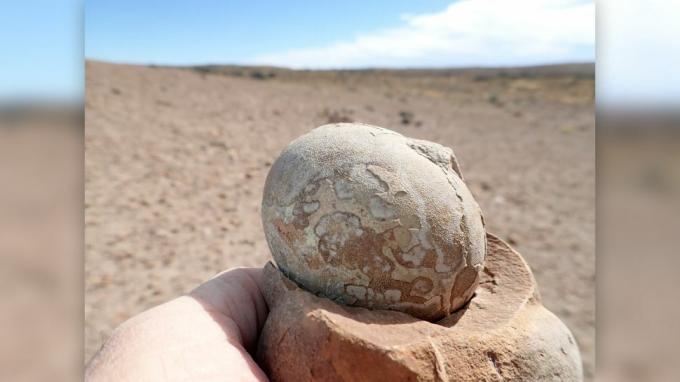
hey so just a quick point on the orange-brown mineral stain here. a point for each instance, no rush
(287, 231)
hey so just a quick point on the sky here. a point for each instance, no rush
(341, 34)
(638, 48)
(638, 54)
(42, 50)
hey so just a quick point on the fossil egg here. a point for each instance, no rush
(367, 217)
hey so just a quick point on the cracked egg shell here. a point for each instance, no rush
(367, 217)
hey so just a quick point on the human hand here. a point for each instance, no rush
(208, 335)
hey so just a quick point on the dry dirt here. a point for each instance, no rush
(176, 159)
(40, 242)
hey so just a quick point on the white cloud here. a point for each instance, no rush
(466, 33)
(638, 53)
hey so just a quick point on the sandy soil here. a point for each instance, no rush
(40, 242)
(176, 159)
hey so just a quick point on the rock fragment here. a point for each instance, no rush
(502, 334)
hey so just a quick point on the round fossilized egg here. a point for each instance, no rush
(367, 217)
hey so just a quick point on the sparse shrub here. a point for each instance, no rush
(495, 100)
(406, 117)
(260, 75)
(337, 116)
(201, 69)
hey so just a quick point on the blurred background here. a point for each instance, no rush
(186, 105)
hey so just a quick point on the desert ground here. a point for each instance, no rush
(176, 158)
(40, 241)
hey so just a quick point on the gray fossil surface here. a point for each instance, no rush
(368, 217)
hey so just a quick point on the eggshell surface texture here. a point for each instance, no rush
(367, 217)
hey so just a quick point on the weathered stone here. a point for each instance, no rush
(502, 334)
(367, 217)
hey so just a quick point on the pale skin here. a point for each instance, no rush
(207, 335)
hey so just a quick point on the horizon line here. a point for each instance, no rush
(434, 67)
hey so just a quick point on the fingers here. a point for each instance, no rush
(236, 295)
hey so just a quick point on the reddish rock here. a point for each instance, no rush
(502, 334)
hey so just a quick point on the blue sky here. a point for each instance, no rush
(638, 49)
(341, 34)
(42, 50)
(209, 31)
